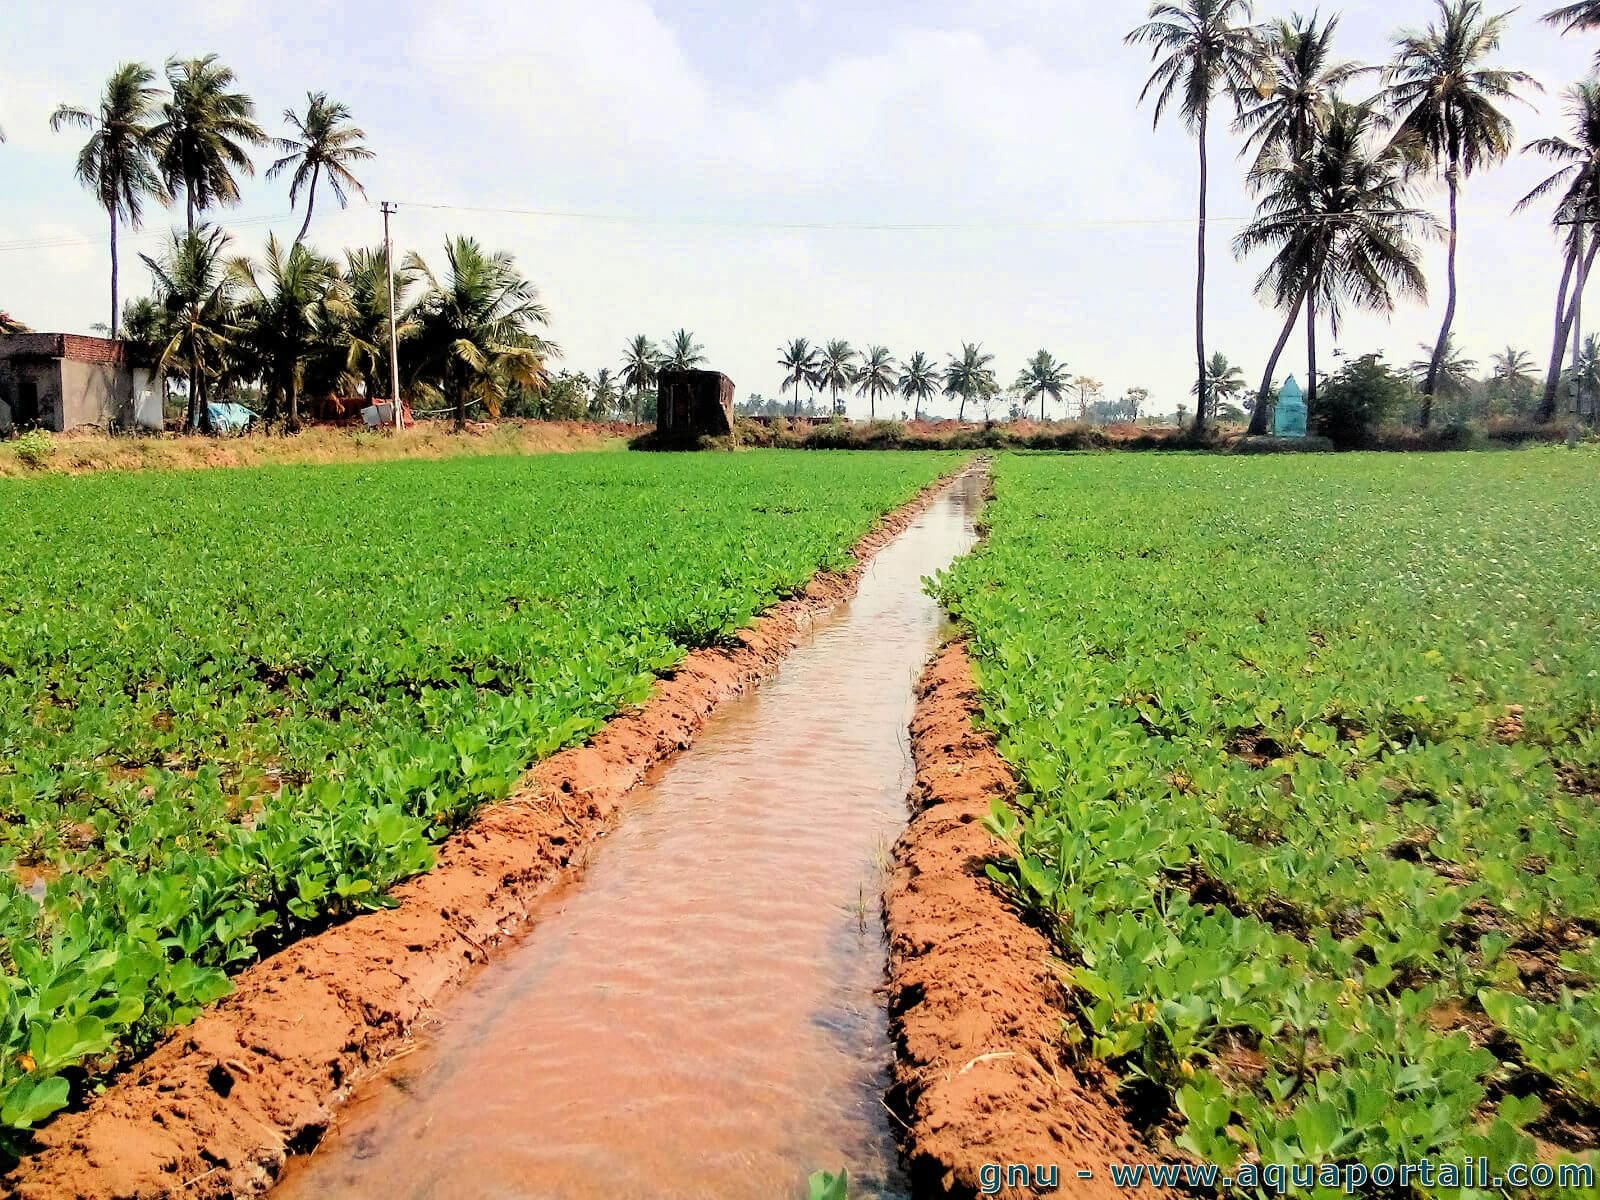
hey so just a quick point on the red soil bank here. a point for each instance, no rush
(975, 1004)
(215, 1109)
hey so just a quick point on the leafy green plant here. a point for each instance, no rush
(825, 1186)
(34, 448)
(1306, 752)
(269, 693)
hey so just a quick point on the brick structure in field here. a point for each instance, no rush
(62, 381)
(691, 403)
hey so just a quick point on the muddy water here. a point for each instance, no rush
(699, 1015)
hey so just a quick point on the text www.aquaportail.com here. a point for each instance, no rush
(1351, 1178)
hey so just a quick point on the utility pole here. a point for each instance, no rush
(394, 343)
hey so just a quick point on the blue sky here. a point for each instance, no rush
(698, 129)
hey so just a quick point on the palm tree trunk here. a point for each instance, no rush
(294, 405)
(1453, 183)
(1552, 379)
(1200, 290)
(1041, 408)
(1311, 351)
(961, 410)
(113, 272)
(311, 200)
(1258, 418)
(1547, 405)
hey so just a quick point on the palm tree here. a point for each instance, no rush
(477, 328)
(288, 305)
(117, 163)
(919, 380)
(1453, 372)
(325, 143)
(1580, 172)
(1513, 378)
(1340, 228)
(803, 366)
(1044, 376)
(969, 375)
(196, 291)
(1282, 118)
(1300, 79)
(837, 369)
(683, 353)
(1224, 381)
(604, 400)
(876, 378)
(1200, 47)
(1444, 96)
(640, 364)
(1584, 15)
(202, 138)
(354, 356)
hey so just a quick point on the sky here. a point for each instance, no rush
(701, 164)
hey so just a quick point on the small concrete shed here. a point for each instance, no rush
(694, 402)
(63, 381)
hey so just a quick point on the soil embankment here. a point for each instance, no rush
(219, 1106)
(976, 1006)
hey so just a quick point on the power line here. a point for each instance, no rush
(66, 241)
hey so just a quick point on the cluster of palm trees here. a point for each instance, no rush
(968, 377)
(1336, 177)
(192, 139)
(297, 323)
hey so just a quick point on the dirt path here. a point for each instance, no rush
(218, 1107)
(975, 1004)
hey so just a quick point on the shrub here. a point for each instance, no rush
(1357, 400)
(35, 447)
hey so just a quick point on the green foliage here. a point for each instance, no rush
(34, 448)
(268, 693)
(826, 1186)
(1298, 774)
(1361, 397)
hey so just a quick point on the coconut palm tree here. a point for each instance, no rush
(1512, 379)
(1579, 172)
(1224, 381)
(1339, 225)
(837, 370)
(1282, 117)
(288, 305)
(1044, 375)
(1453, 374)
(641, 362)
(197, 294)
(477, 329)
(354, 355)
(969, 375)
(876, 378)
(803, 367)
(1584, 15)
(918, 382)
(1299, 79)
(1200, 47)
(204, 134)
(324, 142)
(683, 352)
(1443, 96)
(117, 163)
(604, 400)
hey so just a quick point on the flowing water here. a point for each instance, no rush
(700, 1014)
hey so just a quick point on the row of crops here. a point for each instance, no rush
(1311, 760)
(235, 705)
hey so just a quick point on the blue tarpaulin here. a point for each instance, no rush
(230, 418)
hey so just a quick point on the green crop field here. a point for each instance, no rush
(236, 704)
(1311, 761)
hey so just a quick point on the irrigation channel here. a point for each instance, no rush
(700, 1014)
